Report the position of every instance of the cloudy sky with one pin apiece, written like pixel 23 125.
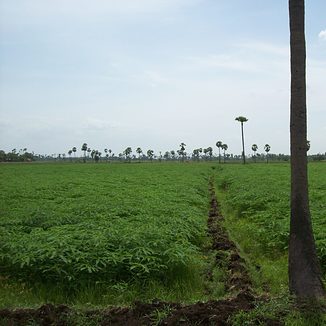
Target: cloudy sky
pixel 154 73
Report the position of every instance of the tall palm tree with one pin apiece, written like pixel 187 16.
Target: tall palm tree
pixel 74 149
pixel 219 146
pixel 242 120
pixel 304 269
pixel 254 148
pixel 267 148
pixel 225 148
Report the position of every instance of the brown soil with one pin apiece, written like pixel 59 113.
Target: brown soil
pixel 237 284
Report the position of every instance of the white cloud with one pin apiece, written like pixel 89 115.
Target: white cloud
pixel 322 35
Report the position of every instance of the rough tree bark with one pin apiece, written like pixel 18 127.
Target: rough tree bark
pixel 304 270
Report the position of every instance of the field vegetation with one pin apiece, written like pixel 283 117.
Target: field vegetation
pixel 256 201
pixel 119 226
pixel 99 234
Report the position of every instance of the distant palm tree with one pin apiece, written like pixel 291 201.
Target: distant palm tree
pixel 225 148
pixel 69 153
pixel 127 153
pixel 242 120
pixel 172 154
pixel 219 146
pixel 139 151
pixel 74 149
pixel 88 151
pixel 182 151
pixel 150 154
pixel 84 149
pixel 210 152
pixel 254 148
pixel 267 148
pixel 196 152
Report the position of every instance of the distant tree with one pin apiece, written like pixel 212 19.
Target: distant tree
pixel 127 152
pixel 84 149
pixel 93 152
pixel 225 148
pixel 305 279
pixel 254 148
pixel 139 152
pixel 150 154
pixel 97 156
pixel 182 151
pixel 74 149
pixel 88 152
pixel 242 120
pixel 267 148
pixel 172 154
pixel 166 155
pixel 69 153
pixel 209 151
pixel 219 146
pixel 196 152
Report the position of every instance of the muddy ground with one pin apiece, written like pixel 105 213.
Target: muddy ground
pixel 237 283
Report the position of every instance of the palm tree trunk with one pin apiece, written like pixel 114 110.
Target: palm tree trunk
pixel 304 270
pixel 243 149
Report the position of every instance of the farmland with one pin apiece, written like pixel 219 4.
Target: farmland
pixel 256 200
pixel 99 234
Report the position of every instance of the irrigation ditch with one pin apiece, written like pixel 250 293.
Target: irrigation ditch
pixel 240 295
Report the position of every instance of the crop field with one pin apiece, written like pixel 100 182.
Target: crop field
pixel 256 200
pixel 73 224
pixel 101 234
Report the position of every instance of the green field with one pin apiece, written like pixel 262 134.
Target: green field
pixel 256 200
pixel 138 231
pixel 77 225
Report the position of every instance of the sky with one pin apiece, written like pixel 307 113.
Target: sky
pixel 153 74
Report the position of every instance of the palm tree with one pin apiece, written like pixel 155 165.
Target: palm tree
pixel 182 151
pixel 74 149
pixel 150 154
pixel 172 154
pixel 225 148
pixel 304 269
pixel 254 148
pixel 69 153
pixel 267 148
pixel 127 153
pixel 210 152
pixel 242 120
pixel 139 151
pixel 88 151
pixel 219 146
pixel 84 149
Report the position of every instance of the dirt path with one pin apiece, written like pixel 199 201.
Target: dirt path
pixel 237 284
